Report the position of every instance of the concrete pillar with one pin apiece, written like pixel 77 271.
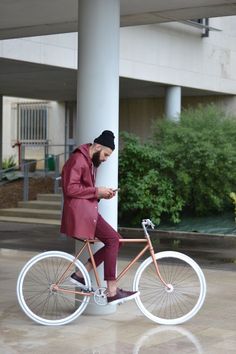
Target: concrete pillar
pixel 173 103
pixel 98 92
pixel 1 129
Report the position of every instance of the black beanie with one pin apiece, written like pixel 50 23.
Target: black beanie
pixel 106 139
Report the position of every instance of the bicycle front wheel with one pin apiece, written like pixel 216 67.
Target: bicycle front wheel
pixel 181 299
pixel 36 294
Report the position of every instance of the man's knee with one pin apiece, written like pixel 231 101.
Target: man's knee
pixel 113 242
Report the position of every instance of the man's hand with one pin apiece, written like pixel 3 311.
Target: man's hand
pixel 105 193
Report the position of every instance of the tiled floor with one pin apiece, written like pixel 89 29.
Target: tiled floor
pixel 211 331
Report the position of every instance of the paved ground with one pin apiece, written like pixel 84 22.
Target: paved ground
pixel 212 331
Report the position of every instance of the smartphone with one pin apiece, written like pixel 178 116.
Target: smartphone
pixel 116 190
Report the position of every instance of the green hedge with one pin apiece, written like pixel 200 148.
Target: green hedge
pixel 187 166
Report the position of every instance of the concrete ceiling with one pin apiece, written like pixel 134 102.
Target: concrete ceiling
pixel 22 18
pixel 130 88
pixel 29 80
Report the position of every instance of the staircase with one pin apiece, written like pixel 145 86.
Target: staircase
pixel 45 210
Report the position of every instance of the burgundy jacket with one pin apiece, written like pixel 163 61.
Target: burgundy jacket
pixel 80 209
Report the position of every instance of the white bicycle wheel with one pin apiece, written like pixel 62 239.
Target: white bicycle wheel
pixel 181 300
pixel 37 298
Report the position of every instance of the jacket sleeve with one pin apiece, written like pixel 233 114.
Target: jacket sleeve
pixel 72 181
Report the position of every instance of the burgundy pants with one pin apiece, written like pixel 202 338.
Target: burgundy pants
pixel 109 252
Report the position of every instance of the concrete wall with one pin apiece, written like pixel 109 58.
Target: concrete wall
pixel 137 114
pixel 58 50
pixel 227 103
pixel 56 130
pixel 9 127
pixel 175 54
pixel 56 127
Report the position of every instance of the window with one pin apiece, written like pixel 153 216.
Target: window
pixel 32 122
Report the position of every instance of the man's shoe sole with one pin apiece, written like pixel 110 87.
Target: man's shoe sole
pixel 123 300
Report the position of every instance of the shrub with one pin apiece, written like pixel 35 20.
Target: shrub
pixel 202 147
pixel 146 190
pixel 188 165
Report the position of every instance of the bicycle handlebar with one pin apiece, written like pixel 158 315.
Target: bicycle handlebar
pixel 145 224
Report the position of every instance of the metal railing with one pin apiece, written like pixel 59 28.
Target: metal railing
pixel 24 171
pixel 47 148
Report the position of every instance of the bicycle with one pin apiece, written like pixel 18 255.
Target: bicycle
pixel 172 286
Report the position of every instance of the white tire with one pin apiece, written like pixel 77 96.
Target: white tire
pixel 181 300
pixel 35 294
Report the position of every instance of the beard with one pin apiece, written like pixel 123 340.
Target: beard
pixel 96 159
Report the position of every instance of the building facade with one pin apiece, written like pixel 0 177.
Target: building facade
pixel 153 59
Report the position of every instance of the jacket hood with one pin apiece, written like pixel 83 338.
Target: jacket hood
pixel 84 149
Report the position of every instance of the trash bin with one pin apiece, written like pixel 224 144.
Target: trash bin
pixel 51 162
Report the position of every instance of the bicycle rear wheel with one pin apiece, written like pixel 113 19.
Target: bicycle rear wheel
pixel 36 295
pixel 181 300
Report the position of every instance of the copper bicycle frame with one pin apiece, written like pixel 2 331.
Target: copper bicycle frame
pixel 87 245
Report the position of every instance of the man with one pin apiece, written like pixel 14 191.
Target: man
pixel 80 218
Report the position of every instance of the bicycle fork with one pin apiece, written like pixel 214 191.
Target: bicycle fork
pixel 169 287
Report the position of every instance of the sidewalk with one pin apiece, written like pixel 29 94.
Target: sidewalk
pixel 211 331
